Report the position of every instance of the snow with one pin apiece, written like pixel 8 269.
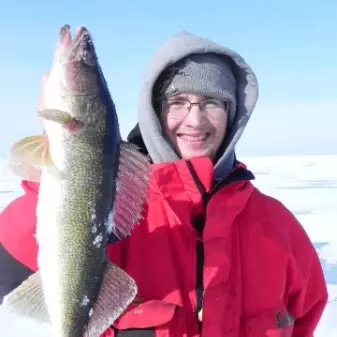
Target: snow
pixel 98 240
pixel 13 325
pixel 307 185
pixel 85 301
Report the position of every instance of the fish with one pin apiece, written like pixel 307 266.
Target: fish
pixel 92 188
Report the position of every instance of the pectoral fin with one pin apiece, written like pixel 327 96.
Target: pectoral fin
pixel 57 116
pixel 29 155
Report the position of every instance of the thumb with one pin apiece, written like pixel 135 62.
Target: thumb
pixel 40 103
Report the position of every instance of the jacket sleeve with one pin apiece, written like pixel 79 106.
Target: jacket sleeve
pixel 12 273
pixel 308 301
pixel 18 247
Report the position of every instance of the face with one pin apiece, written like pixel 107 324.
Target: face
pixel 197 133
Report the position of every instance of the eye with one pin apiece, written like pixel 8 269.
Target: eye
pixel 176 104
pixel 210 104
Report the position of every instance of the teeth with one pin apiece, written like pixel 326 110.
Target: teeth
pixel 194 138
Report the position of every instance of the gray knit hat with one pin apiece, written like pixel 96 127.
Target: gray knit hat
pixel 204 74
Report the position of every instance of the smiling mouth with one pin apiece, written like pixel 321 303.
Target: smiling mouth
pixel 194 138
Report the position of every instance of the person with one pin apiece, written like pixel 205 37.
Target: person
pixel 213 255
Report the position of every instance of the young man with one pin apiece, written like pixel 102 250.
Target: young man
pixel 213 256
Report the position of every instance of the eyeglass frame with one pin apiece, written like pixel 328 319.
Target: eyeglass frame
pixel 223 105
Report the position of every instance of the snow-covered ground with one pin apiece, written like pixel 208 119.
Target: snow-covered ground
pixel 305 184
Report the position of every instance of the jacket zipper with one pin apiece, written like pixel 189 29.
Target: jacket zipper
pixel 238 175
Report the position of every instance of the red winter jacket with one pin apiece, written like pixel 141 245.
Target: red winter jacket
pixel 239 255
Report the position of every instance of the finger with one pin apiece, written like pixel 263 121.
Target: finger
pixel 40 103
pixel 45 77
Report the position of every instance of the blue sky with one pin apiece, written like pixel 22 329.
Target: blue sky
pixel 291 45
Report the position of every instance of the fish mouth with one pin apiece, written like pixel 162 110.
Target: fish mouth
pixel 77 58
pixel 79 48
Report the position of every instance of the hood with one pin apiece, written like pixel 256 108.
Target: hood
pixel 175 49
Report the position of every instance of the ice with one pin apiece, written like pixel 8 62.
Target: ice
pixel 307 185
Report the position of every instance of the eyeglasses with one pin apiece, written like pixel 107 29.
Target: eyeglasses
pixel 179 108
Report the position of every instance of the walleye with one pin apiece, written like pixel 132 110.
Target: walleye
pixel 92 186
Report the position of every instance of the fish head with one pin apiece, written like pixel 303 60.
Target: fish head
pixel 75 92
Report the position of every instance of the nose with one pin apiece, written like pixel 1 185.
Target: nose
pixel 195 117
